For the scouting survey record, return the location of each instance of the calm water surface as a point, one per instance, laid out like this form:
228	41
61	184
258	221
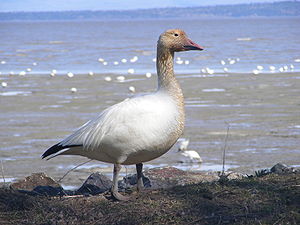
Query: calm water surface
262	111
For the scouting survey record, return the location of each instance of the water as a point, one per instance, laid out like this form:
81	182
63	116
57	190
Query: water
262	111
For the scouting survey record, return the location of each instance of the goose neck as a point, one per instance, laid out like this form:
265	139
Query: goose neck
165	69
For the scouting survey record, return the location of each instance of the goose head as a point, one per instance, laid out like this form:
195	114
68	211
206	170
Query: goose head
176	40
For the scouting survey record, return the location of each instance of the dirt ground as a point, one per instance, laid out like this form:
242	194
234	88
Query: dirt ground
270	199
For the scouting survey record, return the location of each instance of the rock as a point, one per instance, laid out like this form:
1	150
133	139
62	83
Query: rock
166	177
33	181
281	168
95	184
131	180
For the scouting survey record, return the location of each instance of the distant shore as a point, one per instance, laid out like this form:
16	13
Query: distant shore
279	9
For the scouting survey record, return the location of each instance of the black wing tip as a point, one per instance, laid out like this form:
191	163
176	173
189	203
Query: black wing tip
52	150
56	148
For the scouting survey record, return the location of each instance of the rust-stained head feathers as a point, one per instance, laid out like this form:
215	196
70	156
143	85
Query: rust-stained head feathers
176	40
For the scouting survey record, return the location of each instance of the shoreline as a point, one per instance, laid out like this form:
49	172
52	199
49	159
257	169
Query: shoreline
240	200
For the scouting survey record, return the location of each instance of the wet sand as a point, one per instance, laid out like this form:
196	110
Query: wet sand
262	111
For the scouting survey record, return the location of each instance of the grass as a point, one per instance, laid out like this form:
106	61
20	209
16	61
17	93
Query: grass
271	199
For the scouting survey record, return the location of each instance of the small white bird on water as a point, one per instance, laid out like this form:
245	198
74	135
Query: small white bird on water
187	156
138	129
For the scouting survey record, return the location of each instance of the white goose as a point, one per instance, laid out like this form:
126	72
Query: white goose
138	129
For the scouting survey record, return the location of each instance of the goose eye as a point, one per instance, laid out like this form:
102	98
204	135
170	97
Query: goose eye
175	35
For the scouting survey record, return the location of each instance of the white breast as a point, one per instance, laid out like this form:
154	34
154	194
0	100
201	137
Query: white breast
133	131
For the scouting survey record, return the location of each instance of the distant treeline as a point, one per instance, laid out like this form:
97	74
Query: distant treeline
278	9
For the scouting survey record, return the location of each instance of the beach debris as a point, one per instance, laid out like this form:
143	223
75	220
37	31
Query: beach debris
232	61
260	67
73	90
281	168
272	68
134	59
210	71
130	71
4	84
107	78
179	62
120	78
95	184
297	60
148	75
131	89
69	74
203	70
244	39
22	73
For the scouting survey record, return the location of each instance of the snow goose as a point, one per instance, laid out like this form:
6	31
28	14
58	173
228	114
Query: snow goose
138	129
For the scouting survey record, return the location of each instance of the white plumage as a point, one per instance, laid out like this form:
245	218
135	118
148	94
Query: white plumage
130	132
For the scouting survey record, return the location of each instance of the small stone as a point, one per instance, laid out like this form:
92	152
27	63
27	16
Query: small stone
95	184
281	168
34	180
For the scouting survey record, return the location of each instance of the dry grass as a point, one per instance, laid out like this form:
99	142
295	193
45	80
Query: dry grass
271	199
